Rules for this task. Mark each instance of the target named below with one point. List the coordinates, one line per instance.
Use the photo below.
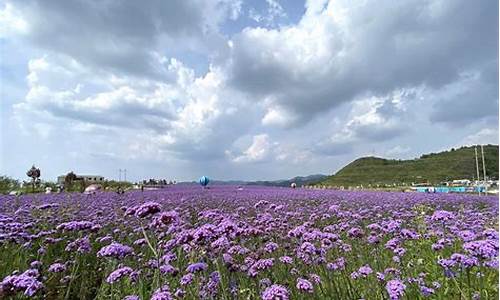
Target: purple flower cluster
(395, 288)
(146, 209)
(118, 274)
(276, 292)
(115, 250)
(27, 282)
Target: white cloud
(11, 22)
(260, 149)
(339, 51)
(274, 12)
(397, 151)
(481, 137)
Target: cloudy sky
(263, 89)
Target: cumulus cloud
(124, 36)
(483, 136)
(274, 12)
(372, 120)
(342, 49)
(260, 150)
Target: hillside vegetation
(433, 168)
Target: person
(142, 187)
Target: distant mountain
(299, 180)
(433, 168)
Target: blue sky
(241, 89)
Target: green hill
(433, 168)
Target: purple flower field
(257, 243)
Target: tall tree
(34, 173)
(69, 179)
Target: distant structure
(87, 178)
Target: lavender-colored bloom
(467, 235)
(482, 249)
(131, 297)
(162, 294)
(26, 282)
(140, 242)
(179, 293)
(286, 260)
(265, 282)
(380, 276)
(261, 264)
(392, 244)
(168, 269)
(196, 267)
(399, 251)
(338, 264)
(36, 264)
(490, 234)
(446, 263)
(187, 279)
(365, 270)
(426, 291)
(437, 246)
(308, 248)
(115, 250)
(47, 206)
(81, 245)
(75, 225)
(271, 247)
(167, 218)
(442, 215)
(118, 274)
(57, 268)
(315, 278)
(395, 288)
(304, 285)
(355, 232)
(373, 239)
(146, 209)
(275, 292)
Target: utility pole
(484, 168)
(477, 171)
(125, 175)
(484, 165)
(120, 173)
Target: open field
(251, 243)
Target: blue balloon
(204, 180)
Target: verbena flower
(304, 285)
(395, 288)
(57, 268)
(482, 249)
(196, 267)
(27, 282)
(146, 209)
(115, 250)
(275, 292)
(118, 274)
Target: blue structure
(204, 181)
(452, 189)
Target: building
(461, 182)
(86, 178)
